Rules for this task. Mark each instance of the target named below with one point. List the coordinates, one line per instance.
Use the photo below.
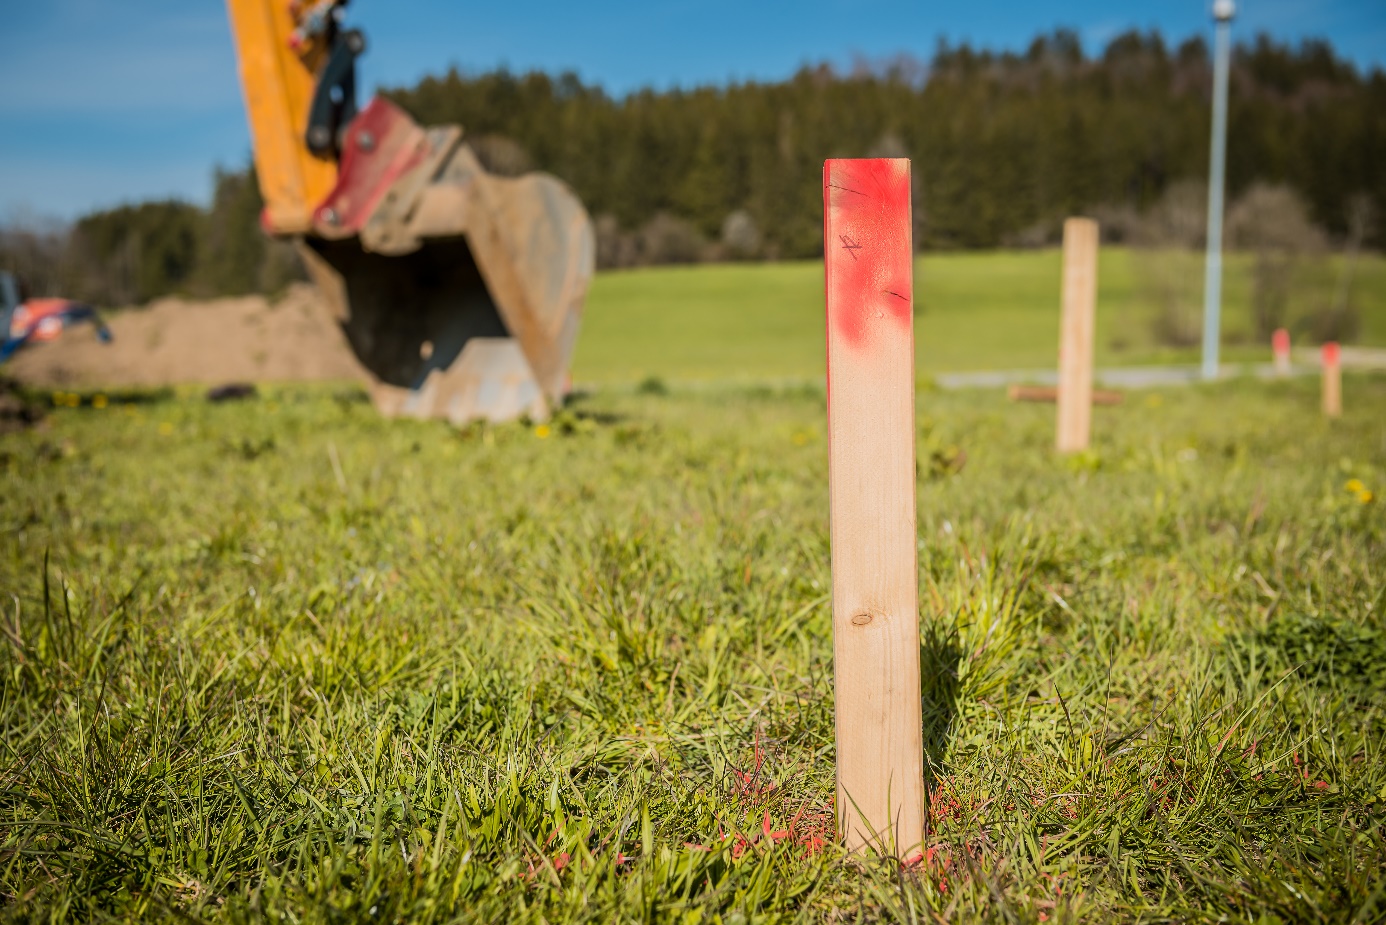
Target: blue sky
(110, 101)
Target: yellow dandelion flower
(98, 401)
(165, 428)
(542, 431)
(1355, 486)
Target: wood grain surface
(1076, 335)
(870, 327)
(1332, 381)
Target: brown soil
(175, 341)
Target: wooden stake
(1280, 347)
(1332, 381)
(1076, 334)
(870, 325)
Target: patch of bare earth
(173, 341)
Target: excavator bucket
(459, 291)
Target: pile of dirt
(175, 341)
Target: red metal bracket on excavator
(382, 144)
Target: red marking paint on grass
(867, 247)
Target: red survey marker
(867, 248)
(870, 327)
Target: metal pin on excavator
(459, 291)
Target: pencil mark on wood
(894, 293)
(849, 245)
(846, 190)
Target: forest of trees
(1004, 146)
(1001, 143)
(134, 253)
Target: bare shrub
(1273, 223)
(501, 155)
(888, 145)
(669, 239)
(615, 248)
(1117, 224)
(740, 235)
(1341, 320)
(1167, 265)
(38, 256)
(1044, 233)
(1178, 219)
(891, 144)
(663, 239)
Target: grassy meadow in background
(978, 310)
(283, 660)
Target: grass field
(286, 661)
(991, 310)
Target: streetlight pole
(1223, 11)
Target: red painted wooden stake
(1332, 381)
(868, 260)
(1280, 346)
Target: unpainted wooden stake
(1332, 381)
(1076, 329)
(1280, 347)
(870, 326)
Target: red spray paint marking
(1330, 353)
(1280, 342)
(866, 245)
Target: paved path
(1306, 363)
(1144, 377)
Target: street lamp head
(1224, 10)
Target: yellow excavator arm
(459, 291)
(278, 80)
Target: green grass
(286, 661)
(994, 310)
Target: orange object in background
(27, 321)
(1280, 347)
(40, 319)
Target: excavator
(459, 291)
(25, 321)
